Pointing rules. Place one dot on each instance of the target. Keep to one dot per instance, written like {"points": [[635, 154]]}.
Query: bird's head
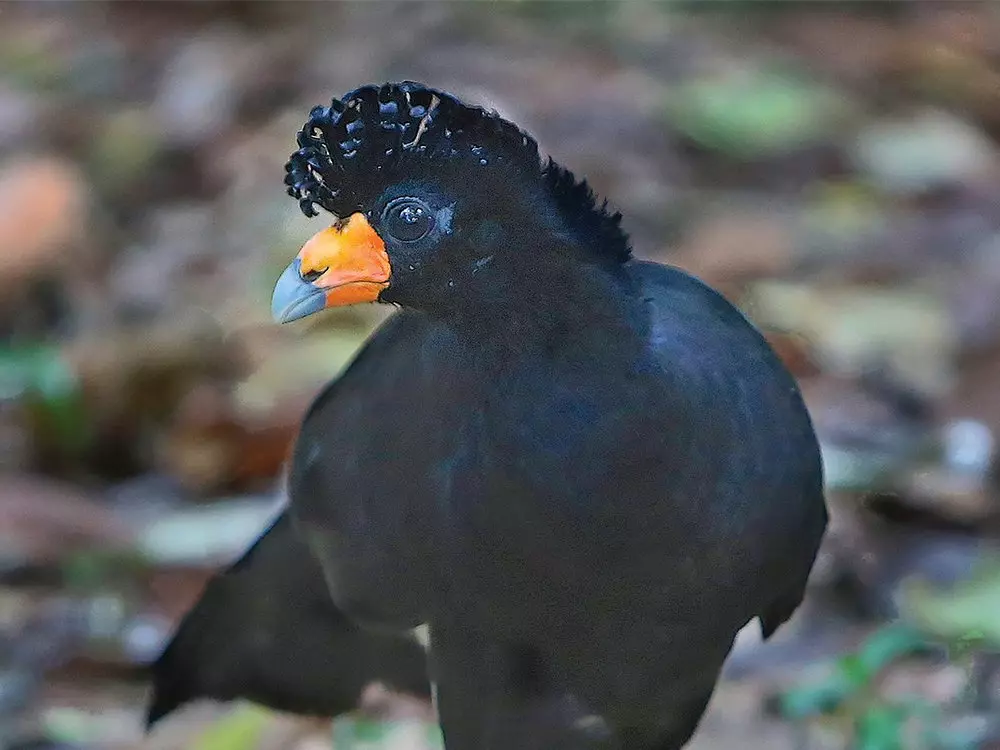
{"points": [[437, 204]]}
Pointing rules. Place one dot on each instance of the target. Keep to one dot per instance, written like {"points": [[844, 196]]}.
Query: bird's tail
{"points": [[266, 630]]}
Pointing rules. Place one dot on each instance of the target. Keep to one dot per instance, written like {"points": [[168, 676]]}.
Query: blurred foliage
{"points": [[359, 733], [753, 113], [43, 380], [853, 675], [967, 614], [239, 730], [961, 620]]}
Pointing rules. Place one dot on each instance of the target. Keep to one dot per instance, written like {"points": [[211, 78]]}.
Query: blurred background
{"points": [[831, 167]]}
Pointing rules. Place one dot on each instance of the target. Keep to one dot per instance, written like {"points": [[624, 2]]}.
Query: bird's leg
{"points": [[493, 696]]}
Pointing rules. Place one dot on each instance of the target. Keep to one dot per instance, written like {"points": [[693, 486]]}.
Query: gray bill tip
{"points": [[293, 297]]}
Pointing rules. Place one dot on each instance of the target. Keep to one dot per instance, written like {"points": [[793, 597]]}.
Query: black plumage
{"points": [[584, 472], [266, 630]]}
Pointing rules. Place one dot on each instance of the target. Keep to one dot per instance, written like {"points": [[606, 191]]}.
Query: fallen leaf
{"points": [[44, 206]]}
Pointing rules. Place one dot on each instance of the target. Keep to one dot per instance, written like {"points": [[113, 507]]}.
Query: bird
{"points": [[583, 472], [266, 630]]}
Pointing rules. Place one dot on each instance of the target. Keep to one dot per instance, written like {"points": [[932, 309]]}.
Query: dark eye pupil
{"points": [[407, 220]]}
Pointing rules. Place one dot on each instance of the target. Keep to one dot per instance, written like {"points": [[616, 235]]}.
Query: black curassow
{"points": [[583, 472]]}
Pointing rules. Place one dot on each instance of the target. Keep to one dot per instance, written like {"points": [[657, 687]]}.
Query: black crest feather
{"points": [[350, 149]]}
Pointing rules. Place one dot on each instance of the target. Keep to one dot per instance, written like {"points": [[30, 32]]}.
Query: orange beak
{"points": [[342, 265]]}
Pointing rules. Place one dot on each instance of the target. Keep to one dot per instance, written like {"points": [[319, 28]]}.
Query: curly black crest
{"points": [[351, 149]]}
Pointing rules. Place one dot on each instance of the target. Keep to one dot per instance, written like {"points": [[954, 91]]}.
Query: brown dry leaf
{"points": [[212, 445], [222, 439], [43, 215], [951, 59], [133, 380], [149, 368], [201, 446], [846, 46], [975, 29]]}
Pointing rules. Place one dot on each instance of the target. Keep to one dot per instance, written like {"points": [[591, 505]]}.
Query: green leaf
{"points": [[890, 644], [41, 378], [352, 733], [852, 673], [747, 114], [239, 730], [967, 614], [818, 698], [880, 728], [435, 738], [96, 568], [31, 65]]}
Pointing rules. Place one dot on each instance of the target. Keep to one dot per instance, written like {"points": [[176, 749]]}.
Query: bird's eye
{"points": [[407, 219]]}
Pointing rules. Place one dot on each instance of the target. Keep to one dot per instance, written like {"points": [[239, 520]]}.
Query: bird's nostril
{"points": [[311, 276]]}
